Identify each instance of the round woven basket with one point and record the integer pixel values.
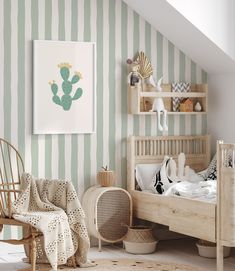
(139, 240)
(139, 234)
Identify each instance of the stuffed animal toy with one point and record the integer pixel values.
(158, 105)
(134, 76)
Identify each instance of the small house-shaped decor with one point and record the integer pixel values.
(186, 105)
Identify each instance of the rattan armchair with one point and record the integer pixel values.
(11, 168)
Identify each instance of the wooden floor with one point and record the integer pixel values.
(180, 251)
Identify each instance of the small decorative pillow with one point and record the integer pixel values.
(144, 174)
(211, 173)
(161, 181)
(212, 170)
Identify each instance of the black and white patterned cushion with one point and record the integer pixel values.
(211, 173)
(178, 87)
(161, 180)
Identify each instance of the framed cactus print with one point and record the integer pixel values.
(64, 81)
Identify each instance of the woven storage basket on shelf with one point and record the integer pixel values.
(140, 240)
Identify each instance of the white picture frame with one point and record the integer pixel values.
(64, 87)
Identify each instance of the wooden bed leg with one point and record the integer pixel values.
(219, 257)
(99, 245)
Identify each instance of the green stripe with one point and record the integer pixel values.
(48, 156)
(193, 73)
(159, 55)
(87, 138)
(7, 70)
(74, 20)
(48, 19)
(21, 78)
(193, 125)
(159, 66)
(136, 41)
(112, 106)
(193, 81)
(204, 77)
(61, 25)
(204, 117)
(171, 62)
(123, 91)
(204, 124)
(170, 124)
(182, 67)
(100, 84)
(74, 139)
(48, 138)
(148, 53)
(34, 138)
(171, 78)
(61, 138)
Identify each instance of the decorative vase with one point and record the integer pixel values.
(197, 107)
(106, 177)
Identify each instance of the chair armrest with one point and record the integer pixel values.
(6, 194)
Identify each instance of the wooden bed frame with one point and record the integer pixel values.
(205, 220)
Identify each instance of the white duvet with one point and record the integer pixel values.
(205, 190)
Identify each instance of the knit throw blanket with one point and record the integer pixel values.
(52, 207)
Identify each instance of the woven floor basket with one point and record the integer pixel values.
(139, 234)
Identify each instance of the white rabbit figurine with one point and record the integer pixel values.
(158, 104)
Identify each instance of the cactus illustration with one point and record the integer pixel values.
(67, 86)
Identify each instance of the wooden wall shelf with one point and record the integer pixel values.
(137, 98)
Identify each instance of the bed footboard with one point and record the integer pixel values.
(226, 193)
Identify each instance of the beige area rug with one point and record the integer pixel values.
(128, 265)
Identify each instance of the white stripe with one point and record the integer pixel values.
(80, 20)
(1, 69)
(187, 124)
(176, 125)
(142, 48)
(106, 83)
(187, 70)
(80, 165)
(176, 65)
(80, 137)
(68, 16)
(41, 138)
(155, 72)
(198, 124)
(14, 232)
(55, 155)
(14, 75)
(118, 83)
(54, 36)
(93, 136)
(165, 61)
(130, 29)
(68, 138)
(28, 87)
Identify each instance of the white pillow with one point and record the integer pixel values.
(144, 174)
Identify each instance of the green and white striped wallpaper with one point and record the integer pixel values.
(119, 33)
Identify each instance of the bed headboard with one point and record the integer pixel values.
(152, 149)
